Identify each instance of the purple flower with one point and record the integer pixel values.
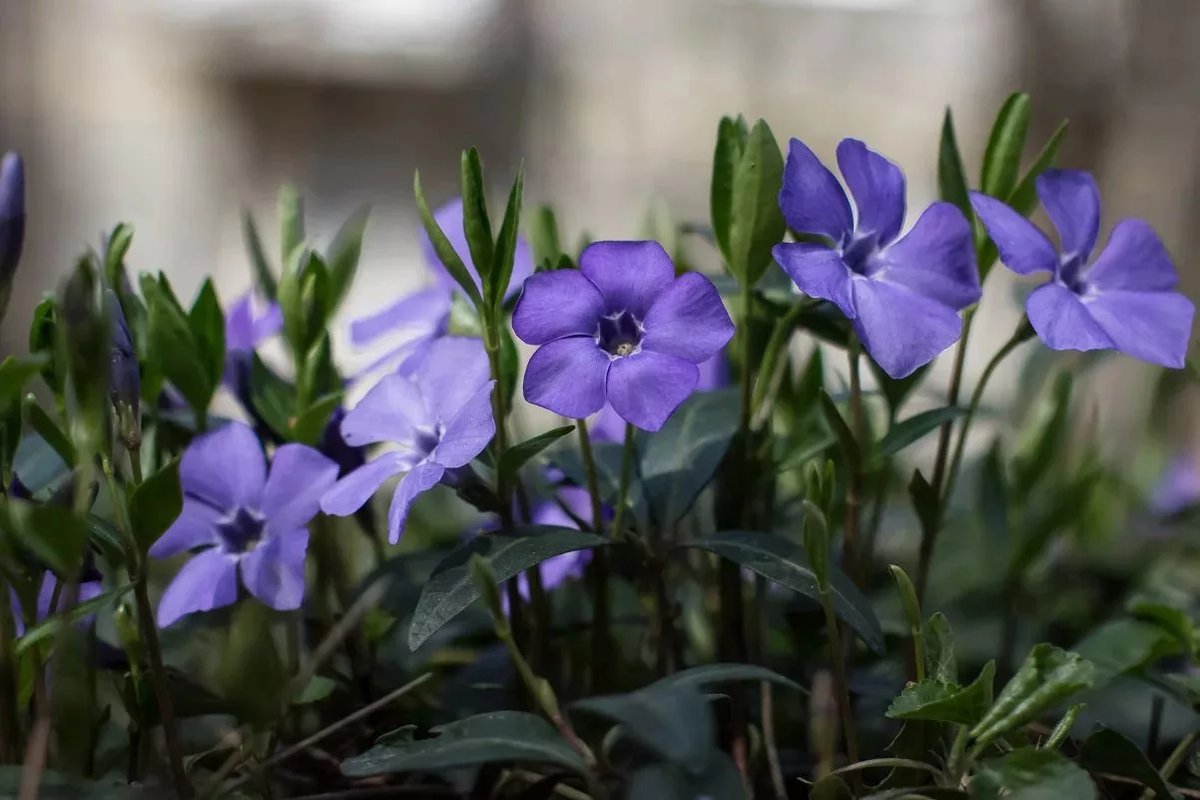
(1178, 488)
(607, 425)
(1122, 300)
(250, 321)
(87, 591)
(425, 314)
(441, 418)
(902, 294)
(236, 515)
(566, 566)
(621, 329)
(12, 220)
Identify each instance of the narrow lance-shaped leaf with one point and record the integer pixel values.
(911, 430)
(543, 237)
(952, 179)
(757, 224)
(731, 140)
(264, 277)
(476, 227)
(344, 253)
(516, 456)
(506, 242)
(291, 221)
(38, 419)
(207, 322)
(445, 251)
(1002, 158)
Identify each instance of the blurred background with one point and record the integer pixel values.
(174, 115)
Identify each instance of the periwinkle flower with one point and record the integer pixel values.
(1123, 300)
(425, 314)
(239, 517)
(440, 417)
(124, 378)
(12, 221)
(621, 329)
(1178, 488)
(607, 425)
(902, 294)
(47, 603)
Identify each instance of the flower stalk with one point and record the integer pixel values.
(601, 620)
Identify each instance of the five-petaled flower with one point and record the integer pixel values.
(1123, 300)
(901, 294)
(425, 314)
(240, 518)
(440, 416)
(622, 329)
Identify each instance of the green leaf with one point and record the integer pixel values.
(839, 428)
(155, 504)
(476, 227)
(173, 346)
(445, 251)
(1126, 645)
(207, 322)
(291, 222)
(952, 180)
(1175, 621)
(450, 589)
(1002, 158)
(114, 257)
(896, 390)
(679, 460)
(756, 224)
(1024, 196)
(785, 562)
(250, 650)
(672, 721)
(543, 238)
(310, 423)
(1048, 677)
(705, 675)
(1029, 774)
(940, 661)
(318, 689)
(343, 255)
(506, 243)
(937, 701)
(37, 418)
(993, 496)
(273, 398)
(657, 781)
(46, 630)
(731, 141)
(925, 501)
(53, 534)
(15, 373)
(515, 457)
(499, 736)
(263, 275)
(916, 427)
(1109, 752)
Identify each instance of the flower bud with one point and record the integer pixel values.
(12, 221)
(124, 380)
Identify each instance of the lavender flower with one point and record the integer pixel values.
(236, 515)
(426, 313)
(1178, 488)
(1123, 300)
(621, 329)
(88, 590)
(607, 425)
(440, 416)
(901, 294)
(248, 323)
(12, 221)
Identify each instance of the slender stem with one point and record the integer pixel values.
(618, 531)
(601, 620)
(135, 464)
(929, 538)
(841, 689)
(1174, 760)
(851, 547)
(952, 393)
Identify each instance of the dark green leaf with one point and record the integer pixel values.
(913, 429)
(1024, 196)
(515, 457)
(940, 661)
(343, 255)
(15, 373)
(1002, 158)
(1126, 645)
(925, 501)
(52, 533)
(291, 222)
(993, 496)
(952, 180)
(674, 722)
(1175, 621)
(506, 243)
(264, 277)
(450, 589)
(273, 398)
(896, 390)
(756, 222)
(839, 428)
(207, 322)
(47, 629)
(155, 504)
(1029, 774)
(679, 460)
(173, 346)
(1109, 752)
(1048, 677)
(731, 141)
(657, 781)
(703, 676)
(785, 562)
(477, 228)
(317, 690)
(248, 651)
(936, 701)
(310, 423)
(445, 251)
(499, 736)
(37, 418)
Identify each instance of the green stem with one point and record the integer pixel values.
(601, 622)
(851, 546)
(929, 538)
(618, 531)
(952, 393)
(841, 688)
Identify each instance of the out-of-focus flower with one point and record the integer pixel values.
(1123, 300)
(12, 221)
(607, 425)
(425, 314)
(124, 379)
(621, 329)
(237, 517)
(1178, 488)
(248, 323)
(901, 294)
(88, 589)
(441, 418)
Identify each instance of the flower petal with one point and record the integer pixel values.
(819, 272)
(425, 311)
(299, 476)
(468, 432)
(630, 275)
(606, 425)
(194, 527)
(1072, 202)
(557, 304)
(1023, 248)
(225, 468)
(688, 320)
(353, 491)
(900, 328)
(567, 376)
(878, 189)
(1062, 321)
(388, 413)
(1133, 259)
(421, 478)
(645, 388)
(206, 582)
(1152, 326)
(452, 369)
(274, 571)
(812, 200)
(937, 258)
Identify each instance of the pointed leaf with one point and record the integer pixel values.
(207, 322)
(705, 675)
(757, 224)
(37, 418)
(291, 222)
(516, 456)
(344, 253)
(155, 504)
(913, 429)
(673, 721)
(731, 141)
(1109, 752)
(936, 701)
(1002, 158)
(952, 180)
(506, 243)
(264, 278)
(476, 227)
(445, 251)
(1048, 677)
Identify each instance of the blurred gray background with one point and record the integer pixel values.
(175, 114)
